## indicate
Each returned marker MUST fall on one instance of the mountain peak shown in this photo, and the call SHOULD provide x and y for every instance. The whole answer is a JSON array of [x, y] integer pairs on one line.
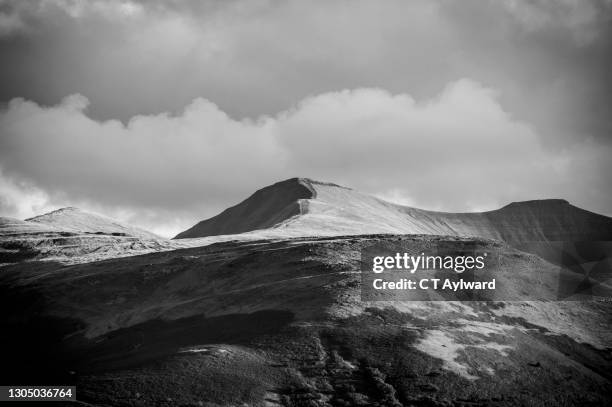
[[539, 203], [306, 207], [64, 210], [265, 208], [61, 213], [311, 182], [74, 219]]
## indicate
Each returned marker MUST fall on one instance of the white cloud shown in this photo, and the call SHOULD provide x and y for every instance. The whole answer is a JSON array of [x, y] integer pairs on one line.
[[22, 200], [254, 57], [457, 151]]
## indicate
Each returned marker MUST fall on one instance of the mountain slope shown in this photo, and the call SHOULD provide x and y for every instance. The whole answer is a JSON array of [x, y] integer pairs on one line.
[[70, 235], [77, 220], [239, 323], [289, 321], [12, 226], [303, 207], [265, 208]]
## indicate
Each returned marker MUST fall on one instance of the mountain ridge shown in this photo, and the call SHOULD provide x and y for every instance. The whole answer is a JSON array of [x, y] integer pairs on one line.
[[71, 235], [264, 208], [74, 219], [284, 317], [314, 208]]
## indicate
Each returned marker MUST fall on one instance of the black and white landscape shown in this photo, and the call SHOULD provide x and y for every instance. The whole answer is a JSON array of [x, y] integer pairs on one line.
[[261, 305], [188, 190]]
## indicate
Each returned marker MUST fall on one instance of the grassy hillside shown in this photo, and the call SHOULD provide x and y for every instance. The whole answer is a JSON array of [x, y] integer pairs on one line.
[[282, 323]]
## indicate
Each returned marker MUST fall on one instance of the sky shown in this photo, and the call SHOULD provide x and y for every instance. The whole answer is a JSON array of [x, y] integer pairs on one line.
[[164, 113]]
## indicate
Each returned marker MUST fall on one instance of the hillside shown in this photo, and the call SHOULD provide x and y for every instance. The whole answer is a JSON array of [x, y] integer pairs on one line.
[[70, 235], [76, 220], [283, 323], [303, 207], [278, 313], [16, 227], [264, 209]]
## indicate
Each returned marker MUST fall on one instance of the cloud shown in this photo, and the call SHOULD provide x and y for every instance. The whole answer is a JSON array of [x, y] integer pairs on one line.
[[583, 19], [21, 200], [456, 151], [106, 8], [10, 23], [257, 57]]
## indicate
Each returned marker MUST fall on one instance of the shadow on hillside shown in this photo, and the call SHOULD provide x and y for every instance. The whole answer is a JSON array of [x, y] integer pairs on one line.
[[151, 340], [39, 349]]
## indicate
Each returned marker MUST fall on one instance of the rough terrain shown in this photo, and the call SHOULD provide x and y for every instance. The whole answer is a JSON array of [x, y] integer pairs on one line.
[[275, 316]]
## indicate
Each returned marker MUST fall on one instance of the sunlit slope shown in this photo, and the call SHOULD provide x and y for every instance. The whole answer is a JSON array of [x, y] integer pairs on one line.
[[17, 227], [265, 208], [303, 207], [76, 220], [70, 235], [346, 211]]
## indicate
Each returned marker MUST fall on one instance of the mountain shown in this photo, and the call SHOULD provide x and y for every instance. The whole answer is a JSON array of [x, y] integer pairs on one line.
[[285, 323], [266, 208], [76, 220], [15, 227], [71, 235], [304, 207], [284, 314]]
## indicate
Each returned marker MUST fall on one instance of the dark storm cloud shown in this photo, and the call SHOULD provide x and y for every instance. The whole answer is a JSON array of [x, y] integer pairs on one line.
[[187, 107]]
